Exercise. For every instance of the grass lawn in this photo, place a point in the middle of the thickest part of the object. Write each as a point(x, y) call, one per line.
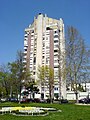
point(69, 112)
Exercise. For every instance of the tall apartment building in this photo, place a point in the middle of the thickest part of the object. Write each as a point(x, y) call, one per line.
point(44, 44)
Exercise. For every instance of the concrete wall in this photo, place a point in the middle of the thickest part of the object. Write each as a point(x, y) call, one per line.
point(71, 95)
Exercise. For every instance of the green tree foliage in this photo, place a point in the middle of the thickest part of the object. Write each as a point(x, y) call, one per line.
point(46, 78)
point(14, 76)
point(19, 75)
point(80, 88)
point(32, 88)
point(4, 80)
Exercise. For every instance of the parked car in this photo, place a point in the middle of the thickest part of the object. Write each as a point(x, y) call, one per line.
point(37, 100)
point(24, 100)
point(3, 99)
point(64, 101)
point(43, 101)
point(84, 100)
point(13, 99)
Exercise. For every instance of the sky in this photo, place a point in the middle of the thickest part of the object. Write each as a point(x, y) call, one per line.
point(16, 15)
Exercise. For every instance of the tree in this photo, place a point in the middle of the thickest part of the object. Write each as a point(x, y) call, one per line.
point(85, 74)
point(41, 77)
point(14, 76)
point(32, 88)
point(46, 78)
point(50, 71)
point(19, 75)
point(75, 57)
point(80, 88)
point(23, 74)
point(13, 67)
point(4, 80)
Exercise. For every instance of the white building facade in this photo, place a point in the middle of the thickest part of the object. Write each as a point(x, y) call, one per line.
point(86, 93)
point(44, 44)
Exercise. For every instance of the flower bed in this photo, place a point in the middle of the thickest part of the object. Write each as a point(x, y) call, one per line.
point(26, 110)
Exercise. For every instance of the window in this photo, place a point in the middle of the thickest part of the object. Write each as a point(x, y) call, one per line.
point(55, 88)
point(59, 30)
point(55, 31)
point(33, 73)
point(34, 61)
point(55, 41)
point(43, 44)
point(25, 49)
point(55, 50)
point(32, 31)
point(48, 28)
point(43, 57)
point(55, 66)
point(56, 36)
point(46, 60)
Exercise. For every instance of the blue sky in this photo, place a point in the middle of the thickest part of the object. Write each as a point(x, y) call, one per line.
point(16, 15)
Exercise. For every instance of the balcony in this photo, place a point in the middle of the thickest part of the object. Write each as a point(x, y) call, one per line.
point(25, 56)
point(25, 52)
point(24, 61)
point(25, 35)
